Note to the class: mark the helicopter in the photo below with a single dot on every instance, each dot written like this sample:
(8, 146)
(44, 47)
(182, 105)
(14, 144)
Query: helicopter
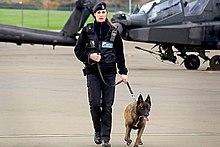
(187, 25)
(66, 37)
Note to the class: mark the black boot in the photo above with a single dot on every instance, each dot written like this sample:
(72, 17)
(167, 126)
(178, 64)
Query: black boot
(97, 138)
(106, 143)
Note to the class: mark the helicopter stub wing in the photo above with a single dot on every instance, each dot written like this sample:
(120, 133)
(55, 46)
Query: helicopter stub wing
(176, 34)
(192, 34)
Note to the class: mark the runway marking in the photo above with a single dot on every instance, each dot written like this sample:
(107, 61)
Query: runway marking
(89, 135)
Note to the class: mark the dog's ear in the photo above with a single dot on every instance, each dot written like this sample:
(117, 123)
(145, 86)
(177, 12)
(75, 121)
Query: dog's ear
(140, 99)
(148, 99)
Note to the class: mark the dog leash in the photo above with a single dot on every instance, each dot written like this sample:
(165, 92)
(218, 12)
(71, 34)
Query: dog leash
(131, 92)
(128, 85)
(103, 80)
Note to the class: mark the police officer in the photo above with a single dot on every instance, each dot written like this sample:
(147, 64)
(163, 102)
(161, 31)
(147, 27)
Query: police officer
(100, 48)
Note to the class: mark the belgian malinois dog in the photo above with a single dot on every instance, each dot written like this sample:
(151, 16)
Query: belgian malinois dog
(136, 116)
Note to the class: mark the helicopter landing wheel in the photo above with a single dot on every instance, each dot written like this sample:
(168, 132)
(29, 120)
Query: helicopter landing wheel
(215, 62)
(192, 62)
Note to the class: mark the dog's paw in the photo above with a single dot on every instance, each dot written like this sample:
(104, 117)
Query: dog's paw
(129, 142)
(141, 143)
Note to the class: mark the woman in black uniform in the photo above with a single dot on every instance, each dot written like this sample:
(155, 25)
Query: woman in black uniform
(100, 48)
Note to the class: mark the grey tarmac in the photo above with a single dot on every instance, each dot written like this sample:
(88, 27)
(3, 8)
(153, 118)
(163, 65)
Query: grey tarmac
(43, 100)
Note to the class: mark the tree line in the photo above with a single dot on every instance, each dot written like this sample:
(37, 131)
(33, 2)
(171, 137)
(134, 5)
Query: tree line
(61, 4)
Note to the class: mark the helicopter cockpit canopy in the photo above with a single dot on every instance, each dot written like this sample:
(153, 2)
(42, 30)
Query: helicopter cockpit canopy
(146, 7)
(194, 7)
(158, 10)
(164, 10)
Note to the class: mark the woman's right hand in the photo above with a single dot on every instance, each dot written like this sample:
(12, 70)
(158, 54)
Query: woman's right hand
(95, 57)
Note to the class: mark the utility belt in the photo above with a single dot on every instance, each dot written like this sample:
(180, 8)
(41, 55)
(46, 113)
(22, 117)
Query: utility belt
(105, 68)
(101, 75)
(84, 71)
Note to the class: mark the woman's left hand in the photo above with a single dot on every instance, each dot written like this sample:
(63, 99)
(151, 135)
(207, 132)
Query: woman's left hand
(124, 78)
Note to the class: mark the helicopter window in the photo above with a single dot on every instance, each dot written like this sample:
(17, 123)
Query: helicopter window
(145, 8)
(164, 10)
(194, 7)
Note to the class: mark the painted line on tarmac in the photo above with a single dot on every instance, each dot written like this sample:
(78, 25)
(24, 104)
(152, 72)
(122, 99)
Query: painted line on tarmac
(47, 135)
(89, 135)
(43, 135)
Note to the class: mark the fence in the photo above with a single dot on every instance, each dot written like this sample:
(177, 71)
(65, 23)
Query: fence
(37, 17)
(46, 19)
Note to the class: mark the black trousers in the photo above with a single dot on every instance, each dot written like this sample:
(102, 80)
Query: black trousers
(101, 99)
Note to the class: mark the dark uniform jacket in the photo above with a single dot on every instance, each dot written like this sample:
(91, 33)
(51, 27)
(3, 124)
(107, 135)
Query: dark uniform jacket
(96, 38)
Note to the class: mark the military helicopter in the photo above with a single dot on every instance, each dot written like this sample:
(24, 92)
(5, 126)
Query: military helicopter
(187, 25)
(66, 37)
